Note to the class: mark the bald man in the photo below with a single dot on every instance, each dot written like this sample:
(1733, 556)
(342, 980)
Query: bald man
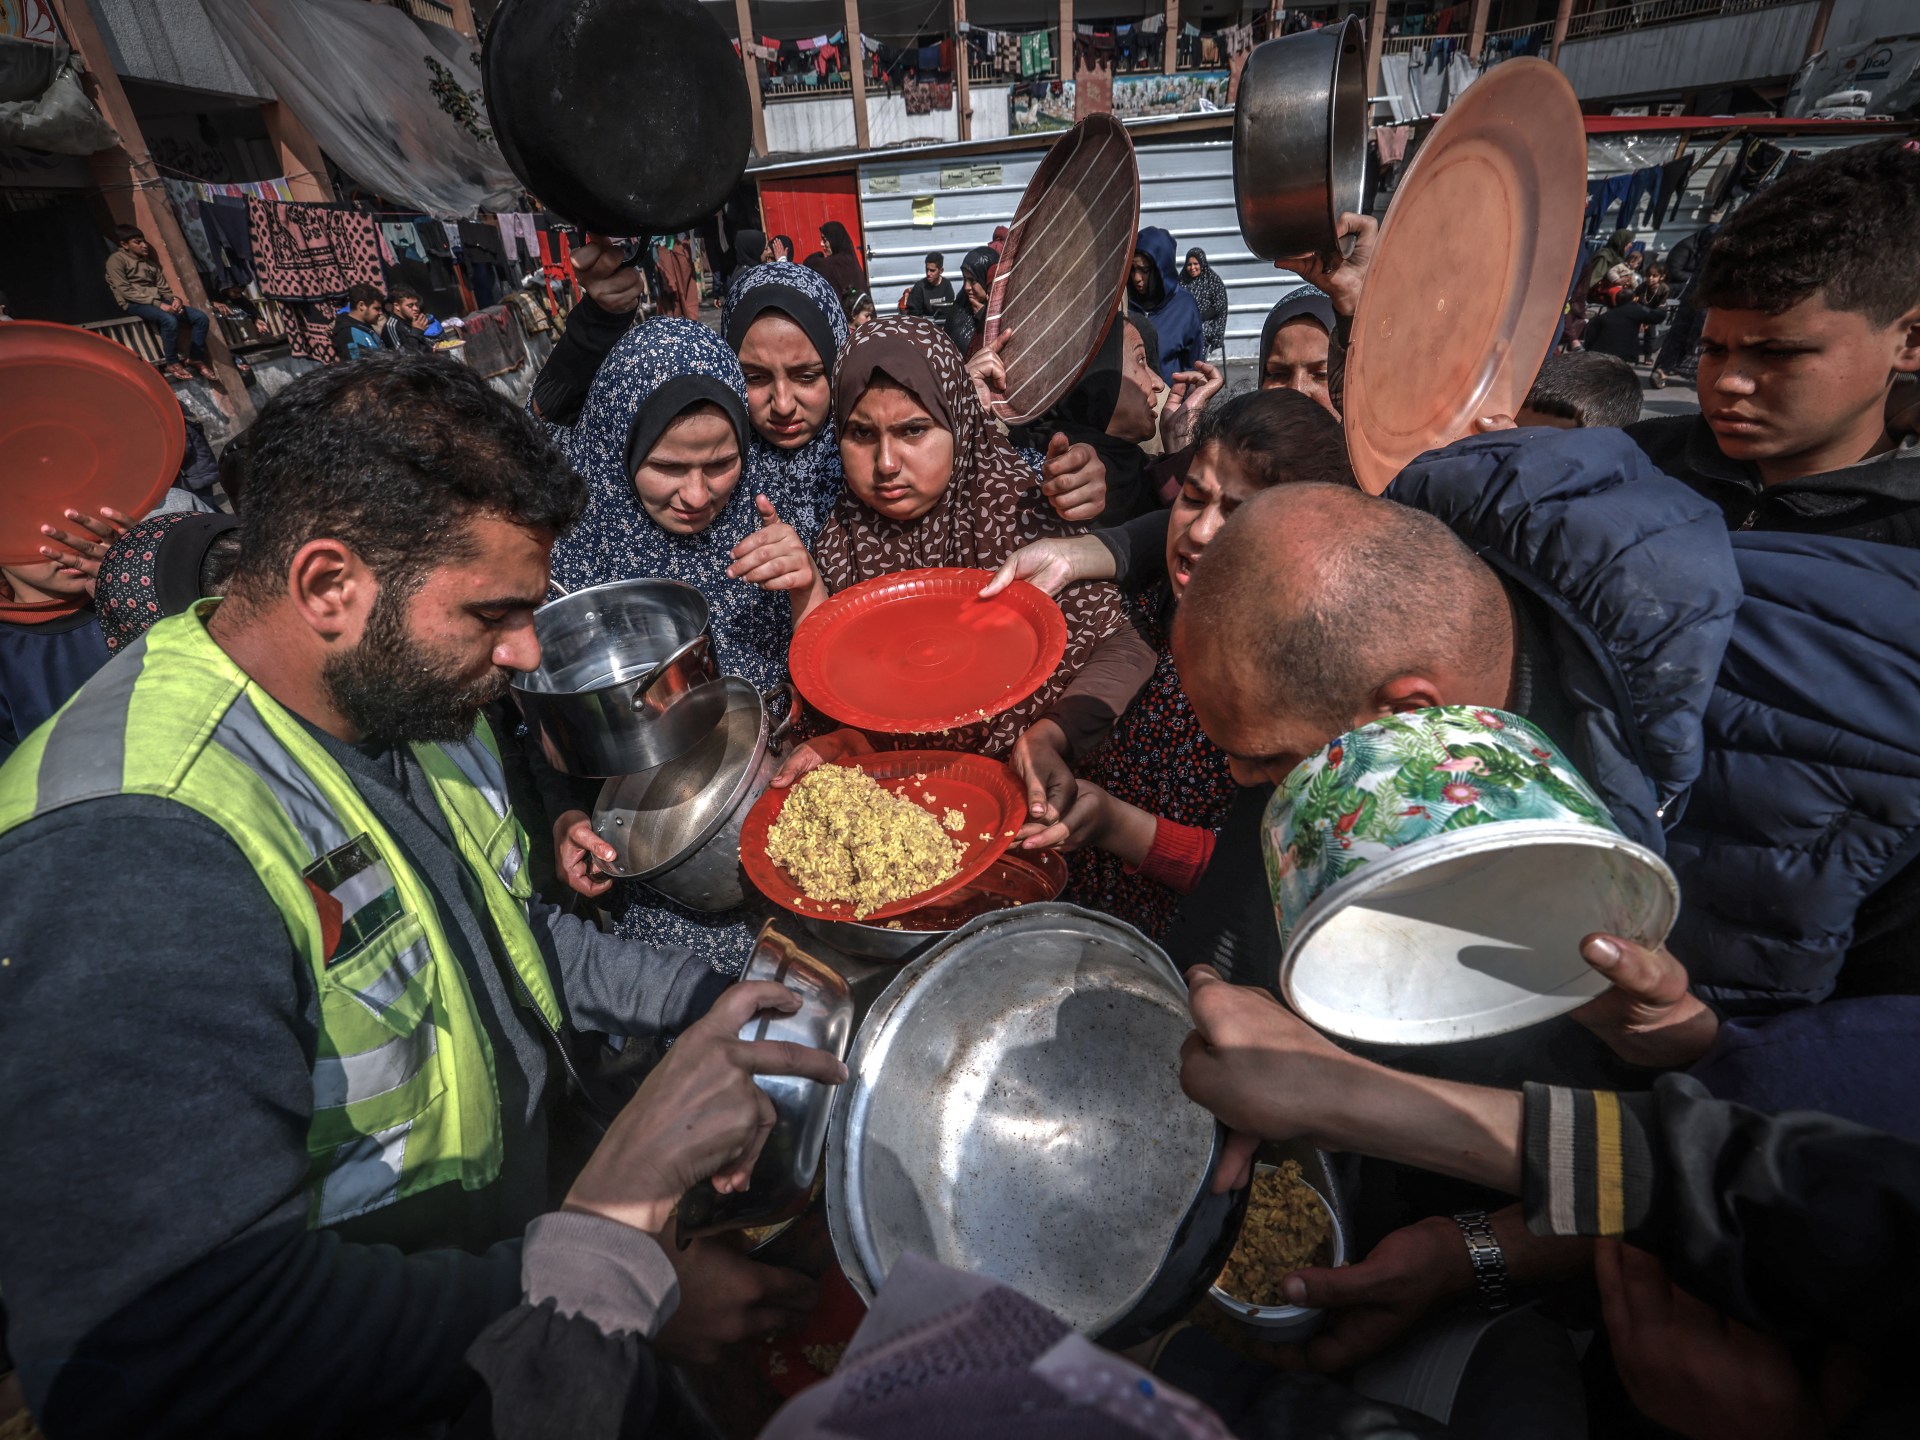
(1743, 703)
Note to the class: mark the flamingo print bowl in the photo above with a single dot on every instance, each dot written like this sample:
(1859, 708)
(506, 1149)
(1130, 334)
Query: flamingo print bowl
(1433, 874)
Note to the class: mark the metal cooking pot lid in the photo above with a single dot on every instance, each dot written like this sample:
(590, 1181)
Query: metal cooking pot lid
(1470, 272)
(628, 117)
(1064, 266)
(1014, 1110)
(657, 818)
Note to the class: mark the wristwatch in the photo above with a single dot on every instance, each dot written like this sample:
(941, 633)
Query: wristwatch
(1488, 1260)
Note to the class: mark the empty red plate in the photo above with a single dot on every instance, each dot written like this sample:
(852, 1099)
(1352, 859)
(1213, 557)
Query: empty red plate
(920, 651)
(983, 790)
(85, 423)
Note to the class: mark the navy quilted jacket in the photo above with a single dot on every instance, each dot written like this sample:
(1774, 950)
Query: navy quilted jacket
(1747, 703)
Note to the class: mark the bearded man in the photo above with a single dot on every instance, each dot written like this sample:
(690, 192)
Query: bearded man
(279, 1011)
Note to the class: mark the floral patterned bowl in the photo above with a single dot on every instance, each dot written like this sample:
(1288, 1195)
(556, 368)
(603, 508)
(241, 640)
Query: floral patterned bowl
(1433, 874)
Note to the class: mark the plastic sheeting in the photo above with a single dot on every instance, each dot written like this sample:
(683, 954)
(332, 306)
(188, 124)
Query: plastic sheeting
(60, 119)
(357, 76)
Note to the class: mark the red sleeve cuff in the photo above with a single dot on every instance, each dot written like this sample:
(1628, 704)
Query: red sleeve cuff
(1178, 856)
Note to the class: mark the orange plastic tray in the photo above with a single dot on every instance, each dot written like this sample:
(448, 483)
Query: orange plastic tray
(919, 651)
(985, 791)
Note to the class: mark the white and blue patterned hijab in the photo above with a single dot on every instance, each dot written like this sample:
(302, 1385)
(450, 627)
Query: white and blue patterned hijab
(804, 483)
(617, 540)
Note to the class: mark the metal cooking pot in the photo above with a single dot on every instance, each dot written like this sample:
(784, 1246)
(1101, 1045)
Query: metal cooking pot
(678, 827)
(1300, 140)
(782, 1181)
(624, 681)
(1014, 1110)
(1016, 878)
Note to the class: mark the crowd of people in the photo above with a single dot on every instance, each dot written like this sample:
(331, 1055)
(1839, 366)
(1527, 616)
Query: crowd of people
(287, 1134)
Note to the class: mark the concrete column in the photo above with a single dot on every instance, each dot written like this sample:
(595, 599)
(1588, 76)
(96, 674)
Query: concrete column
(1477, 29)
(1561, 18)
(1817, 36)
(132, 188)
(1063, 43)
(1377, 37)
(859, 75)
(301, 160)
(751, 68)
(463, 18)
(962, 95)
(1170, 47)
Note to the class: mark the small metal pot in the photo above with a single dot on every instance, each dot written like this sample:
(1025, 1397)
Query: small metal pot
(1290, 1324)
(1300, 140)
(678, 827)
(783, 1175)
(1014, 879)
(625, 677)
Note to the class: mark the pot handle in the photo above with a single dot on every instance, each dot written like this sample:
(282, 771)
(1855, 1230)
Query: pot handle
(700, 646)
(792, 707)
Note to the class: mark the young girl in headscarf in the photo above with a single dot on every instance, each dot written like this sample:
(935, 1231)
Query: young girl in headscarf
(932, 482)
(1296, 346)
(662, 444)
(842, 262)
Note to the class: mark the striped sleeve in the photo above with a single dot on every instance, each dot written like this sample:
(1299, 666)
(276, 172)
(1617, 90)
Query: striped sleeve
(1588, 1167)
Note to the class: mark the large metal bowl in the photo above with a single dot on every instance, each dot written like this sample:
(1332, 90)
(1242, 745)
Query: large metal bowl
(1300, 139)
(678, 827)
(1016, 878)
(1014, 1111)
(625, 677)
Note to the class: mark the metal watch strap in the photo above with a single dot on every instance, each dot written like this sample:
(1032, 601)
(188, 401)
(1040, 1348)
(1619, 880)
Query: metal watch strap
(1489, 1261)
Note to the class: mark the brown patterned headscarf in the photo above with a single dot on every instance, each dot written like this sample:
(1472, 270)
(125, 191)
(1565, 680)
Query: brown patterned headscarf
(992, 506)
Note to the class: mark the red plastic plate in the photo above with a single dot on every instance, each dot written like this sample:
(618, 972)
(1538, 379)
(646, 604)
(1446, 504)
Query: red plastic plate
(984, 790)
(919, 651)
(84, 423)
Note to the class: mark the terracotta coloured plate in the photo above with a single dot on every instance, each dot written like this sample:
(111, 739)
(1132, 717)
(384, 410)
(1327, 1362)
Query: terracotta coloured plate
(1064, 265)
(1471, 270)
(85, 423)
(983, 790)
(919, 651)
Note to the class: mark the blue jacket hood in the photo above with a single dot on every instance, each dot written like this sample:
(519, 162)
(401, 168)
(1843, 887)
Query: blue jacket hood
(1176, 319)
(1157, 245)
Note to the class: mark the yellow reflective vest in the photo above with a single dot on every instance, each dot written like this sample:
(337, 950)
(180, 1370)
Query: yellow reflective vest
(404, 1092)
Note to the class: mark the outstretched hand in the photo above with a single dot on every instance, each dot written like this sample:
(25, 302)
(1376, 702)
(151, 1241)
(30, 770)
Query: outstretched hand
(773, 557)
(1649, 1016)
(1053, 564)
(1073, 477)
(603, 272)
(1341, 276)
(84, 551)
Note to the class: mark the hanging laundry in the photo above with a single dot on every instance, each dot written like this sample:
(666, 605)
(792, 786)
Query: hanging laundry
(1036, 53)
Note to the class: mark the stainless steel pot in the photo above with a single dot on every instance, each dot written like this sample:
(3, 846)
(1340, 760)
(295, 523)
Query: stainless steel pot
(1016, 878)
(1300, 139)
(1014, 1110)
(678, 827)
(625, 677)
(783, 1175)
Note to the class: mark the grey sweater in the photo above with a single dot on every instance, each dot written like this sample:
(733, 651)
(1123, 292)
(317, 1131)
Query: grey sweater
(157, 1034)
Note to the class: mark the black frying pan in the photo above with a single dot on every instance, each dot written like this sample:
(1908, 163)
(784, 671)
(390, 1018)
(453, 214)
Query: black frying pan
(626, 117)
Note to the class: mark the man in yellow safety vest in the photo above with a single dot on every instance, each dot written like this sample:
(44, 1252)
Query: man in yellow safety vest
(278, 1006)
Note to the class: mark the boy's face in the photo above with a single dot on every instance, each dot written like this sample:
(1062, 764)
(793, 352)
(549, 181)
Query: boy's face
(1804, 391)
(47, 579)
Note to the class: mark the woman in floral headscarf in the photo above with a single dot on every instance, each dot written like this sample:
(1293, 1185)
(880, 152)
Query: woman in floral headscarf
(662, 444)
(932, 482)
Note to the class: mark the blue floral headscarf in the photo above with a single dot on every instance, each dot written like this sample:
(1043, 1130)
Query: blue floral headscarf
(805, 483)
(616, 539)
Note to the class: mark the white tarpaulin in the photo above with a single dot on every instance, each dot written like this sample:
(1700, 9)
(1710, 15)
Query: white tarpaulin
(358, 76)
(1886, 71)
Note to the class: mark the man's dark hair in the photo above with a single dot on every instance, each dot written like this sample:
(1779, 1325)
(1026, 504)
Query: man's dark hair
(364, 294)
(1843, 225)
(1280, 437)
(936, 258)
(402, 292)
(1592, 390)
(392, 456)
(124, 233)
